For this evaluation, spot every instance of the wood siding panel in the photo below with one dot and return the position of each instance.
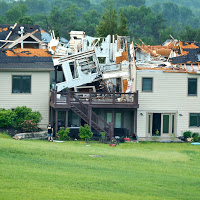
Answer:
(38, 100)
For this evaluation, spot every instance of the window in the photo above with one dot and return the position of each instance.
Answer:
(109, 117)
(147, 84)
(192, 87)
(118, 120)
(21, 84)
(194, 119)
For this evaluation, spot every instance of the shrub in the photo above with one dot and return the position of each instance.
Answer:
(21, 113)
(85, 132)
(195, 137)
(36, 117)
(63, 133)
(102, 134)
(28, 126)
(6, 118)
(187, 134)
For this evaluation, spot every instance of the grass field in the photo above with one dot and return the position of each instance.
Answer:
(43, 170)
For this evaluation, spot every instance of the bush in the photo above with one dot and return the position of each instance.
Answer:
(103, 134)
(187, 134)
(6, 118)
(63, 133)
(195, 137)
(17, 118)
(85, 132)
(36, 117)
(28, 126)
(21, 113)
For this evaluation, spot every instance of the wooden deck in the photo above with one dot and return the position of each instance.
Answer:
(63, 100)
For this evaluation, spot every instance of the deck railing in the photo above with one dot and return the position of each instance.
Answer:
(94, 97)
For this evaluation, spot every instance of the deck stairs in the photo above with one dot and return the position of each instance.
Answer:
(89, 116)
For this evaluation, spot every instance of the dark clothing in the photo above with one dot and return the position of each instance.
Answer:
(49, 129)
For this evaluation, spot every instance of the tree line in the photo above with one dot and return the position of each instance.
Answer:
(152, 24)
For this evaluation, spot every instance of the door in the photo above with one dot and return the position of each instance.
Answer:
(161, 124)
(168, 124)
(165, 125)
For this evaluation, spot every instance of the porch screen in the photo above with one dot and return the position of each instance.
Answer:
(21, 84)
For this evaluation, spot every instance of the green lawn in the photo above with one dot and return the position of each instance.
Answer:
(43, 170)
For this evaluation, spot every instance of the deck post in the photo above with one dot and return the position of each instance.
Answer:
(55, 96)
(51, 120)
(68, 97)
(113, 96)
(90, 98)
(135, 121)
(56, 122)
(113, 122)
(56, 69)
(66, 118)
(90, 116)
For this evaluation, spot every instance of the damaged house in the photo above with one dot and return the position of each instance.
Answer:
(168, 84)
(25, 65)
(94, 84)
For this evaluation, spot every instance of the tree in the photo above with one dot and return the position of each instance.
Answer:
(123, 28)
(90, 21)
(85, 132)
(108, 25)
(55, 19)
(25, 20)
(13, 14)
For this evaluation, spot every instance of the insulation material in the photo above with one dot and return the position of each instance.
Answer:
(122, 58)
(125, 84)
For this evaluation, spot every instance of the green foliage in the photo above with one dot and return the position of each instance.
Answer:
(28, 126)
(16, 118)
(35, 116)
(85, 132)
(187, 134)
(21, 113)
(63, 133)
(103, 134)
(18, 11)
(25, 20)
(6, 118)
(195, 137)
(108, 24)
(123, 17)
(123, 28)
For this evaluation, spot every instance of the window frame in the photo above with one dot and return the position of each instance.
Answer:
(198, 120)
(21, 83)
(193, 95)
(151, 84)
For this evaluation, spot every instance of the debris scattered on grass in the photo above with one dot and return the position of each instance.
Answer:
(95, 156)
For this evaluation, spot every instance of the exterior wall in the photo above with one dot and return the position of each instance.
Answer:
(38, 99)
(169, 95)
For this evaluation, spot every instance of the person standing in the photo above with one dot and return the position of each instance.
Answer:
(50, 132)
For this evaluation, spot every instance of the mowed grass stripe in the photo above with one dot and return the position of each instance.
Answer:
(42, 170)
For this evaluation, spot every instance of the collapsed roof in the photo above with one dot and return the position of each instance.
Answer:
(87, 59)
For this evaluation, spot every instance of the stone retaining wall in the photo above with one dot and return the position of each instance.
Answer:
(35, 135)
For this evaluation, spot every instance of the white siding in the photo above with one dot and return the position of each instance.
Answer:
(38, 100)
(170, 95)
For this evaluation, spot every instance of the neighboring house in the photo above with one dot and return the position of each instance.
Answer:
(169, 92)
(25, 66)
